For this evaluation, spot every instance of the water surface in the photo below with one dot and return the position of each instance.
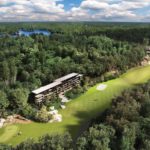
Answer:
(29, 33)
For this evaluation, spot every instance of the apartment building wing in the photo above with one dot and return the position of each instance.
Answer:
(60, 85)
(64, 78)
(45, 91)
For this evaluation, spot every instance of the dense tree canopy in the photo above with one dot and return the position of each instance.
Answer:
(93, 49)
(29, 62)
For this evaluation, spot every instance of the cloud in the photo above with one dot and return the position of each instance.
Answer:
(28, 10)
(94, 4)
(110, 10)
(88, 10)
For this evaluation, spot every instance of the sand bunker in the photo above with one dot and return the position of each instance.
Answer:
(101, 87)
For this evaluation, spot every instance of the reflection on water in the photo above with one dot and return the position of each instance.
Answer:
(27, 33)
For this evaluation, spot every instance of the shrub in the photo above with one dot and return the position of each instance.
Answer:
(75, 92)
(42, 115)
(54, 101)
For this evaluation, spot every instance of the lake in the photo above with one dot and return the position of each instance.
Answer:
(29, 33)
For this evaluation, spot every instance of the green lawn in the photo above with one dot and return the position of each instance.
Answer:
(8, 133)
(80, 110)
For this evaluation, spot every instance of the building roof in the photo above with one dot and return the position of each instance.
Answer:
(47, 87)
(66, 77)
(55, 83)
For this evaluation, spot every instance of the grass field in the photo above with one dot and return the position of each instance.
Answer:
(78, 111)
(8, 133)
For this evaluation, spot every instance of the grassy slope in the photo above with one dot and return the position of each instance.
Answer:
(81, 109)
(8, 132)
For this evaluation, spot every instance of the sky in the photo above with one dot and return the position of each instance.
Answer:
(75, 10)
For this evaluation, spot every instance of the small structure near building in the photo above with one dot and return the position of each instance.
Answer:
(59, 86)
(147, 49)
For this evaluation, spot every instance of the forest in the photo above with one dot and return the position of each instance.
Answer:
(92, 49)
(29, 62)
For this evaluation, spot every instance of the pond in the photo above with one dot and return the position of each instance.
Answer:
(28, 33)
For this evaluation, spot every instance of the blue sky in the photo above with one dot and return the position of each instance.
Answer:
(75, 10)
(69, 3)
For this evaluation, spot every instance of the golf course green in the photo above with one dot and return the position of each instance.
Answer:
(78, 111)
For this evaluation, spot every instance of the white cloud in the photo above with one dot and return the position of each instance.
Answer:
(88, 10)
(27, 10)
(126, 5)
(94, 4)
(108, 10)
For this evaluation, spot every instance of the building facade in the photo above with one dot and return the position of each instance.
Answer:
(147, 50)
(59, 86)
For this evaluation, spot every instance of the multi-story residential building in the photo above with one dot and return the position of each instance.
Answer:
(59, 86)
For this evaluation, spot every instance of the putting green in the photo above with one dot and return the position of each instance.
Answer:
(82, 109)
